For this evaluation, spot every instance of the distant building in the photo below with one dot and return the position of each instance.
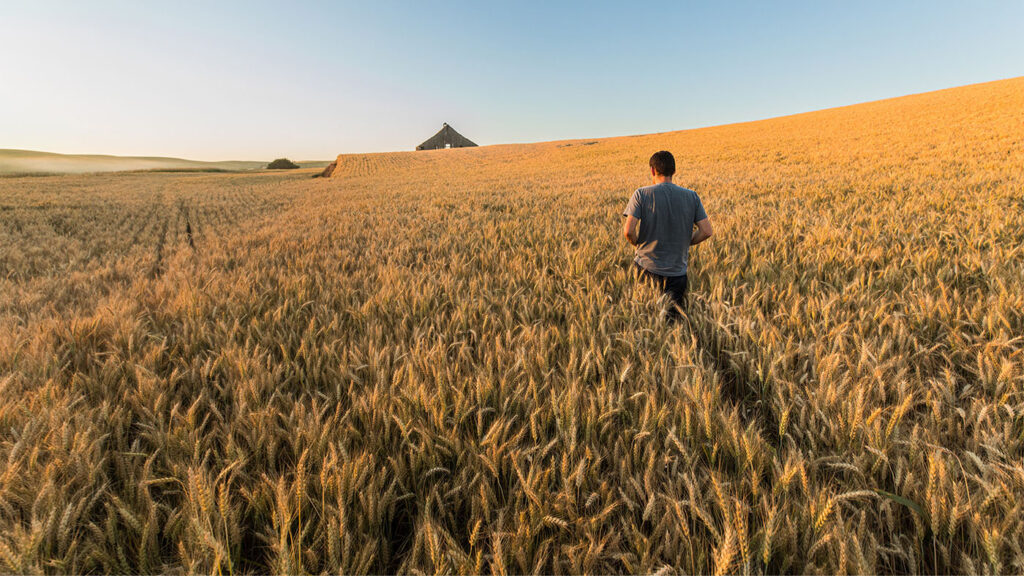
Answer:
(446, 138)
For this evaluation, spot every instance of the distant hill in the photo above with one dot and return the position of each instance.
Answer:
(33, 162)
(980, 122)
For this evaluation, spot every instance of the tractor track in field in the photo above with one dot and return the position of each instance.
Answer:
(189, 229)
(161, 241)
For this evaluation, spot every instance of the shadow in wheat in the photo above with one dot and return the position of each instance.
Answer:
(710, 324)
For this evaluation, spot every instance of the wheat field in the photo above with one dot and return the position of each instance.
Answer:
(438, 362)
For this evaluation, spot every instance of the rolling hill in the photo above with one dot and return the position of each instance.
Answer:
(34, 162)
(908, 133)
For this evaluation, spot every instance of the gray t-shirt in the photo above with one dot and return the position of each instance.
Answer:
(667, 214)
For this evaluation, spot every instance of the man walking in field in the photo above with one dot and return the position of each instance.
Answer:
(660, 221)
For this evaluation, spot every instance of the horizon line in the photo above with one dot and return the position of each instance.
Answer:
(523, 143)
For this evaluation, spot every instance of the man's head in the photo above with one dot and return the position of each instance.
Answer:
(663, 164)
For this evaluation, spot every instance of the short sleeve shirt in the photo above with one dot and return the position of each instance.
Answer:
(667, 214)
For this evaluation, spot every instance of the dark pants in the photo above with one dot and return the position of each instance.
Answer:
(674, 286)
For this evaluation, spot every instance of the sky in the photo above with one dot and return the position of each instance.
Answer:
(253, 80)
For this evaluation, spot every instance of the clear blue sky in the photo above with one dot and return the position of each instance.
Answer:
(308, 80)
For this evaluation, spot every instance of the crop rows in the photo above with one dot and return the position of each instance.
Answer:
(68, 240)
(440, 362)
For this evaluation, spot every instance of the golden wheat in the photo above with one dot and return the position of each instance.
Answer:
(439, 361)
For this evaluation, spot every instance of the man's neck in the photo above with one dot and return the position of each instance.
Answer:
(662, 179)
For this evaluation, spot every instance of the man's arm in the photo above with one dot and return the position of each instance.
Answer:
(630, 228)
(702, 233)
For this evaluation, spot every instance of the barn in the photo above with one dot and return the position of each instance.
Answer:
(446, 138)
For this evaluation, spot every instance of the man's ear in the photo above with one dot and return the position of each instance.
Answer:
(653, 173)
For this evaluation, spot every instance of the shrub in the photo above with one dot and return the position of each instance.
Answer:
(282, 164)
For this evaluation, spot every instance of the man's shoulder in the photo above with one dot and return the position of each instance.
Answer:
(670, 186)
(652, 188)
(691, 194)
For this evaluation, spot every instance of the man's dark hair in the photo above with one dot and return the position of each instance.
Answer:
(664, 163)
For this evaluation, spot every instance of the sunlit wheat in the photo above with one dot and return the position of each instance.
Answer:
(440, 362)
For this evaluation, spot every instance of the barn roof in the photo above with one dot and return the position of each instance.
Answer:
(446, 138)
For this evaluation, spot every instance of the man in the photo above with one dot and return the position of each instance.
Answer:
(660, 222)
